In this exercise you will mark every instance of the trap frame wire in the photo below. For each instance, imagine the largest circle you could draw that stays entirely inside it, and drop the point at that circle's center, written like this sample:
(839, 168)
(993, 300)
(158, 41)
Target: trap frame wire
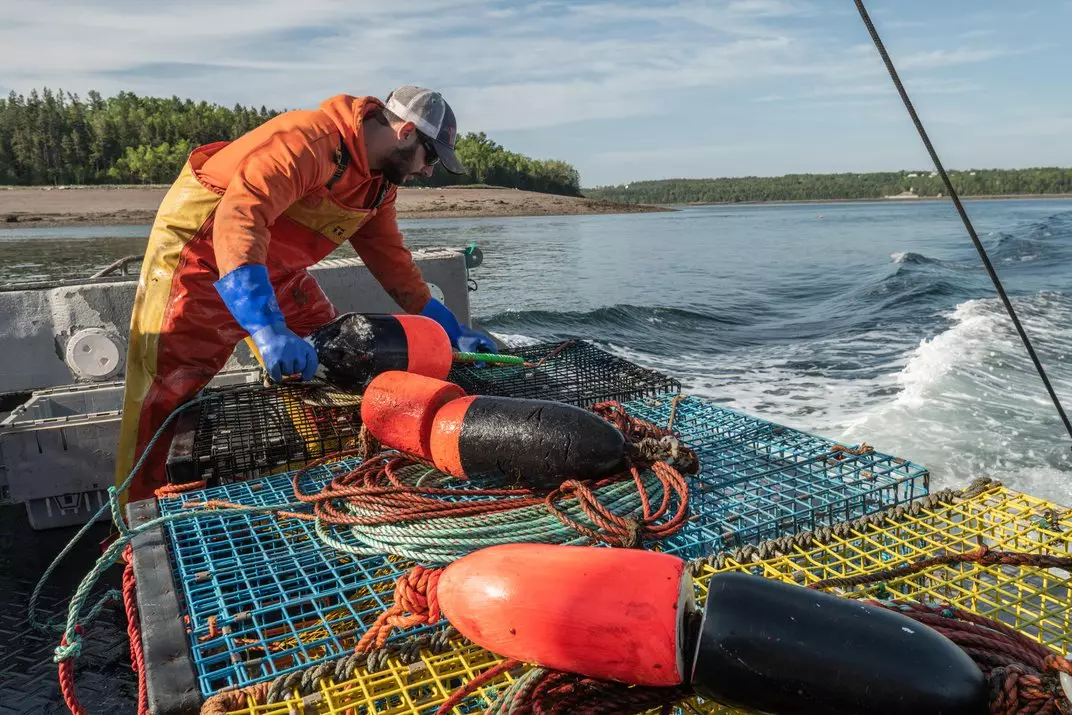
(1032, 600)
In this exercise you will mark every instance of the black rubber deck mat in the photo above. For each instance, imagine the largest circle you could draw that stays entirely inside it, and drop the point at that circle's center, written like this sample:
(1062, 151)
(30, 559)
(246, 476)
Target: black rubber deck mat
(104, 680)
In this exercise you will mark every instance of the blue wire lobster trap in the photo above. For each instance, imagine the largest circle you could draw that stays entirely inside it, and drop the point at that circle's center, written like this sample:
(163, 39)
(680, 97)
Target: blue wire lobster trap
(759, 480)
(262, 596)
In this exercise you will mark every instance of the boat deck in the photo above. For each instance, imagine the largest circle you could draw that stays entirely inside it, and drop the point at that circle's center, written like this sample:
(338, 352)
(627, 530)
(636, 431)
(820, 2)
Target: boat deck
(28, 684)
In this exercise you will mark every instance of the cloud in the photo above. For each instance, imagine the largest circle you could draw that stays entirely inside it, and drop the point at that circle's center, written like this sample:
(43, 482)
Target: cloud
(549, 73)
(510, 67)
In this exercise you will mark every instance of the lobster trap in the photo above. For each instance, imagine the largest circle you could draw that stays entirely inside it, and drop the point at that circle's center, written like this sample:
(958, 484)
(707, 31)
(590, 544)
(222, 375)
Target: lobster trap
(575, 372)
(264, 597)
(242, 433)
(1032, 600)
(254, 431)
(759, 480)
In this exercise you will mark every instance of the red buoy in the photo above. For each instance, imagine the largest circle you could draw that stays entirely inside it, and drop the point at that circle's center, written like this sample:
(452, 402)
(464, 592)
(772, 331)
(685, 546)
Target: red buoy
(538, 443)
(398, 408)
(612, 614)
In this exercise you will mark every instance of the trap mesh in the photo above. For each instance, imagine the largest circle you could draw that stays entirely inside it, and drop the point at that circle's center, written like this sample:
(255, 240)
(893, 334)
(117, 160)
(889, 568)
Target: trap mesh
(759, 480)
(246, 433)
(240, 434)
(575, 372)
(264, 597)
(1034, 601)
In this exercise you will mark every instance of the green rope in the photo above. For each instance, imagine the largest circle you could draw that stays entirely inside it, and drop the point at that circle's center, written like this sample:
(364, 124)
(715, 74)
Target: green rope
(490, 358)
(442, 541)
(126, 535)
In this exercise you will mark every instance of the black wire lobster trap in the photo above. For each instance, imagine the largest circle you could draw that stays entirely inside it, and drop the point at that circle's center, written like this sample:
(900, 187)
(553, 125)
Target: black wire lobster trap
(238, 434)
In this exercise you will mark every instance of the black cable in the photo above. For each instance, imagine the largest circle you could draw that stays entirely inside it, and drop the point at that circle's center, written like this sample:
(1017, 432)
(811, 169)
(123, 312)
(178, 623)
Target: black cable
(960, 209)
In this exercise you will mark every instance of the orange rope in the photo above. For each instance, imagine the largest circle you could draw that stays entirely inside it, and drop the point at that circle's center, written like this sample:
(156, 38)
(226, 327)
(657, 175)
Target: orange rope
(416, 594)
(172, 489)
(137, 655)
(66, 677)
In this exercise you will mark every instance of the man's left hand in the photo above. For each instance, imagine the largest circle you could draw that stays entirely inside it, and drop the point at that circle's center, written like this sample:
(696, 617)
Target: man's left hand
(473, 341)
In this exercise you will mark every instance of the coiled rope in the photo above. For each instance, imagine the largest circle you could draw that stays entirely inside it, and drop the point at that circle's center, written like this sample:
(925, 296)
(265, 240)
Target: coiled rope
(394, 503)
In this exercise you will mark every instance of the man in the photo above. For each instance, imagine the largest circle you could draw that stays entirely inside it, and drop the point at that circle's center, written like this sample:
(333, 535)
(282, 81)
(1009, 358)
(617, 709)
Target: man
(233, 237)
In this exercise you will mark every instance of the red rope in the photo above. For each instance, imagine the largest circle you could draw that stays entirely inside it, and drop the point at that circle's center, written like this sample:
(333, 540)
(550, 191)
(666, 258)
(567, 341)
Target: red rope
(463, 692)
(66, 676)
(137, 655)
(375, 488)
(415, 594)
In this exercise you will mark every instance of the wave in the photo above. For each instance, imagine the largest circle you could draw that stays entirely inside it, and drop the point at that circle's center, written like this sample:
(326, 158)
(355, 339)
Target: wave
(911, 258)
(621, 314)
(969, 402)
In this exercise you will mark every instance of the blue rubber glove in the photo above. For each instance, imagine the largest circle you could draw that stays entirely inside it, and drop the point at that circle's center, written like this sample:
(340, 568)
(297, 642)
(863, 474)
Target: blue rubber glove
(248, 294)
(463, 338)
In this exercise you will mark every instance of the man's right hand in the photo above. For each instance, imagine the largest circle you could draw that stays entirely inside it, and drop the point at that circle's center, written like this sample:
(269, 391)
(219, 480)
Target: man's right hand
(248, 294)
(284, 353)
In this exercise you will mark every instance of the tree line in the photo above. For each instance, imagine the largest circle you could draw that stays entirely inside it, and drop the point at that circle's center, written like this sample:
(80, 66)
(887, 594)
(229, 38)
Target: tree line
(54, 138)
(805, 187)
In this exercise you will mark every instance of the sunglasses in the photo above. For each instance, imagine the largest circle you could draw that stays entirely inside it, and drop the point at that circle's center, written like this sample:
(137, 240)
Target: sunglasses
(431, 156)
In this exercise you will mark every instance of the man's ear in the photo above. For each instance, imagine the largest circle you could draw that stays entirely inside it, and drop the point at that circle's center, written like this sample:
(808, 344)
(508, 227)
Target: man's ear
(405, 130)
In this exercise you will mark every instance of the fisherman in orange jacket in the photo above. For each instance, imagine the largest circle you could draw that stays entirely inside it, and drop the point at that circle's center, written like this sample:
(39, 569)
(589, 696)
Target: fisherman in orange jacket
(233, 237)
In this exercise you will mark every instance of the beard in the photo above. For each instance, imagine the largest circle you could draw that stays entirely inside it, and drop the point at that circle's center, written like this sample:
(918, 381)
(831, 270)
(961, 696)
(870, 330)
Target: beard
(396, 167)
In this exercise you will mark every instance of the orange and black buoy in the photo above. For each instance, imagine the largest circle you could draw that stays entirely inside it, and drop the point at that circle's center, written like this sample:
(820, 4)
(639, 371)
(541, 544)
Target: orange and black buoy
(355, 347)
(612, 614)
(538, 443)
(628, 615)
(398, 408)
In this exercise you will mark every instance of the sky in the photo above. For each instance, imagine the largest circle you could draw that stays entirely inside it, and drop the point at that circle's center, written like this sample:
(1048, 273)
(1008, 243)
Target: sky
(623, 90)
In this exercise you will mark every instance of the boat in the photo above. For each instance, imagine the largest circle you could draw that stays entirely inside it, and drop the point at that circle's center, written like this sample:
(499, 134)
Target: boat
(247, 612)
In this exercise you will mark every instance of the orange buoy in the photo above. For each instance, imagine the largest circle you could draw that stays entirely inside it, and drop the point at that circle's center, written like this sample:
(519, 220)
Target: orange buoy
(612, 614)
(355, 347)
(398, 408)
(536, 442)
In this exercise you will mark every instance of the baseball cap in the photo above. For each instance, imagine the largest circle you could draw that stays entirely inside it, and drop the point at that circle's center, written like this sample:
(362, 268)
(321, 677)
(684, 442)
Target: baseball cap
(433, 117)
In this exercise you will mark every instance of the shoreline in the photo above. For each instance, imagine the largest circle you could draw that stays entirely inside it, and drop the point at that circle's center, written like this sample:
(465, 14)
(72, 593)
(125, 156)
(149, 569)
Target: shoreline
(883, 199)
(54, 207)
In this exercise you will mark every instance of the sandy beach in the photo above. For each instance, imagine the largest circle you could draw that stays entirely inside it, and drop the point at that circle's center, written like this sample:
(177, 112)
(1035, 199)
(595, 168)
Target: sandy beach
(51, 206)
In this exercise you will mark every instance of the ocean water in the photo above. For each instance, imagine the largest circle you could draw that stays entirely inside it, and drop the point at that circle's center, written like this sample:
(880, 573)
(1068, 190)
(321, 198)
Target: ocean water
(867, 322)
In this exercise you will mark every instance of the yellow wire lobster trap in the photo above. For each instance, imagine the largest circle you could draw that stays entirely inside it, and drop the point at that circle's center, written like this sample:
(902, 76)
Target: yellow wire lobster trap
(1034, 601)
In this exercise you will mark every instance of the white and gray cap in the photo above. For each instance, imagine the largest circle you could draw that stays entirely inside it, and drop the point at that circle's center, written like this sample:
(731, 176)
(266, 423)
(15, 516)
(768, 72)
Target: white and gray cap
(433, 118)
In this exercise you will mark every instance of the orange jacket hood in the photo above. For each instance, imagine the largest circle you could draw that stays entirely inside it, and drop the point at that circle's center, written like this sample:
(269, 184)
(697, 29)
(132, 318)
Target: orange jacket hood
(347, 113)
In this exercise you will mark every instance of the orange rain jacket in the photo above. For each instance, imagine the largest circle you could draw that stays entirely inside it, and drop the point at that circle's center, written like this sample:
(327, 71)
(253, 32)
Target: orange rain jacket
(275, 178)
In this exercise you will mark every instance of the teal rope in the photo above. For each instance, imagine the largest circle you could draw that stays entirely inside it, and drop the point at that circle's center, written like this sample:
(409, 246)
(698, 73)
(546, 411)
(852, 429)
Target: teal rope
(442, 541)
(74, 646)
(126, 535)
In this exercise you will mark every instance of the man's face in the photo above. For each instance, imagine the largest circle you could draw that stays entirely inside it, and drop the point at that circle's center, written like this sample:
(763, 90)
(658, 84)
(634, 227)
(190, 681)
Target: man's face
(409, 160)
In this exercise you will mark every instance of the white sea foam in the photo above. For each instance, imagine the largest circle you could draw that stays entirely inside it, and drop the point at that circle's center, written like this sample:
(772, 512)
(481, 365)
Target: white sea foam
(965, 402)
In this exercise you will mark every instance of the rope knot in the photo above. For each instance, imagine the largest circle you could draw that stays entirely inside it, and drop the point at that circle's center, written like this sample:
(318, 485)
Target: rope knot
(634, 533)
(666, 448)
(416, 602)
